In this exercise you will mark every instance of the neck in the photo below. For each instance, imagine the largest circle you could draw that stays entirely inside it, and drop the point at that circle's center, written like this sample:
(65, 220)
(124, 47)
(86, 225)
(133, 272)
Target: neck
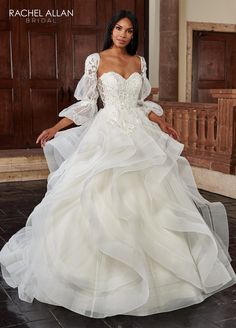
(118, 51)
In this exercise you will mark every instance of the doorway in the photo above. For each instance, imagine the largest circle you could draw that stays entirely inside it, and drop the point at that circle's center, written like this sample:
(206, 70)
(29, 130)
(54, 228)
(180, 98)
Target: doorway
(213, 63)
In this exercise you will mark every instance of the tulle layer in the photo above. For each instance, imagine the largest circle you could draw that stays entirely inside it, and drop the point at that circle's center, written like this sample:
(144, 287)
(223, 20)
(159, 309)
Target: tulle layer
(118, 231)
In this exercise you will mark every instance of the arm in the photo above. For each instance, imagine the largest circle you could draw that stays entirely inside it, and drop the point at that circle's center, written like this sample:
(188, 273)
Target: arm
(153, 111)
(50, 132)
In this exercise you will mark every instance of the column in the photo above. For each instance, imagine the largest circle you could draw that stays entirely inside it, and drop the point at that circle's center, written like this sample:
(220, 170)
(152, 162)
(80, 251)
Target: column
(169, 31)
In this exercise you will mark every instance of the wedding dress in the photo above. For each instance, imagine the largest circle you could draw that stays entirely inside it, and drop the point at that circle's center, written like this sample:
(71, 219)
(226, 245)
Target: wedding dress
(118, 231)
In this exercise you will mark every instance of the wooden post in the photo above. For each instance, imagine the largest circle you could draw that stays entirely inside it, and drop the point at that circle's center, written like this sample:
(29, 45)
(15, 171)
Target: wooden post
(193, 130)
(202, 130)
(185, 129)
(226, 127)
(210, 131)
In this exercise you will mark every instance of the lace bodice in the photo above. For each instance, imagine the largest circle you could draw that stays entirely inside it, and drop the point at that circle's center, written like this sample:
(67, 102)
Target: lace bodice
(118, 91)
(120, 95)
(120, 99)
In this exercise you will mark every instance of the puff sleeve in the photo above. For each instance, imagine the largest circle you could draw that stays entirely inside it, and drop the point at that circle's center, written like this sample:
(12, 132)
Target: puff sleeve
(146, 105)
(86, 93)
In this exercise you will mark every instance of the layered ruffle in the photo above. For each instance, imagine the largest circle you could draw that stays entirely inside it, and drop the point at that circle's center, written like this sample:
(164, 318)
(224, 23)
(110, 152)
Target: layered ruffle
(117, 233)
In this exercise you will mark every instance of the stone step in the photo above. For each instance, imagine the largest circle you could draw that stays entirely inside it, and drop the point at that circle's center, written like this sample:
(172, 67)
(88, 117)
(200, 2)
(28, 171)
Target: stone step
(22, 165)
(214, 181)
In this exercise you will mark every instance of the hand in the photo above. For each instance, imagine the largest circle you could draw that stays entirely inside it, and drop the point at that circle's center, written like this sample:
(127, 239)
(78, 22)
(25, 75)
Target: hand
(45, 136)
(167, 128)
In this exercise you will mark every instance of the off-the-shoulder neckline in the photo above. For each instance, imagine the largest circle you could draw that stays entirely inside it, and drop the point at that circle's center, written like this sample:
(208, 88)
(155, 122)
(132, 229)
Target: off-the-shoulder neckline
(140, 73)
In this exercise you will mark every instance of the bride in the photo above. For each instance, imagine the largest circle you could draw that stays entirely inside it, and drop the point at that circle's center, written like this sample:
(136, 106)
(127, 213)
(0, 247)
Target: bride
(118, 231)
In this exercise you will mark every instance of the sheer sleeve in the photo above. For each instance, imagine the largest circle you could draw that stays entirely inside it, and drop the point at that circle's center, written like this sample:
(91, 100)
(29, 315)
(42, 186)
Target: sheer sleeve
(86, 93)
(146, 105)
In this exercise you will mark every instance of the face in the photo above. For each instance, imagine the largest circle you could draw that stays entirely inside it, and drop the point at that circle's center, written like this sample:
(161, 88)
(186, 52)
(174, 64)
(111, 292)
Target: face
(122, 33)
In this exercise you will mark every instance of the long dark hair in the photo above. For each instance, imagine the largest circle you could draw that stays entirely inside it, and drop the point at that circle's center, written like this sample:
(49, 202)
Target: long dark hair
(133, 45)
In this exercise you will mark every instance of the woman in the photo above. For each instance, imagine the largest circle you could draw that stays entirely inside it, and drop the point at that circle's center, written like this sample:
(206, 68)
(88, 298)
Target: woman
(118, 231)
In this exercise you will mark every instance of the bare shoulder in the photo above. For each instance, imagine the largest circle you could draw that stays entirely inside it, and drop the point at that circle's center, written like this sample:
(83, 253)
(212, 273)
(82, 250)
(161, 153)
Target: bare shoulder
(105, 53)
(137, 58)
(137, 62)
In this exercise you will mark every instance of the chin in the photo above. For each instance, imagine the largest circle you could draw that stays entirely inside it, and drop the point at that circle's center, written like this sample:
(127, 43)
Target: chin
(118, 45)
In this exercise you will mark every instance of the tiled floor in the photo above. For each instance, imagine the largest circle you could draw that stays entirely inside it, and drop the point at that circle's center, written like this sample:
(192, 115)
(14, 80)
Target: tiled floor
(17, 201)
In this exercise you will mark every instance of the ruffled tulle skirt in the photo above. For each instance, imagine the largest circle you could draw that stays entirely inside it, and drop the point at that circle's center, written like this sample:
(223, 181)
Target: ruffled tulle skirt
(118, 231)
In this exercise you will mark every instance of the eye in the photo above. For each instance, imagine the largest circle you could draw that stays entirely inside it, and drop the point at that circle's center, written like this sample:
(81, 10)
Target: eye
(118, 27)
(130, 31)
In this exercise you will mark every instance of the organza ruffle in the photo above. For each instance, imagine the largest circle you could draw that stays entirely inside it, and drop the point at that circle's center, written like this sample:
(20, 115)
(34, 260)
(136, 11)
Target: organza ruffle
(118, 231)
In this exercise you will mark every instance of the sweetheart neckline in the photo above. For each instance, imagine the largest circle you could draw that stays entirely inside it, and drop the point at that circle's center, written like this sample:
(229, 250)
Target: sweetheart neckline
(119, 75)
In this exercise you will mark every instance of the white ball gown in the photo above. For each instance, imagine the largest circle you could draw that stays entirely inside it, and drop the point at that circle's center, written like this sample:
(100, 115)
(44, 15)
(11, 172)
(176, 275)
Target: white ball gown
(118, 231)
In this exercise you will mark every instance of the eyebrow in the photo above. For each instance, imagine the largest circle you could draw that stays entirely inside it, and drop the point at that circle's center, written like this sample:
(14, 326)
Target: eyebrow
(129, 28)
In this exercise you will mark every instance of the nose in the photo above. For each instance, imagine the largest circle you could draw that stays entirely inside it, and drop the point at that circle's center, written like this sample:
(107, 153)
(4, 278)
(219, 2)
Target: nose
(123, 34)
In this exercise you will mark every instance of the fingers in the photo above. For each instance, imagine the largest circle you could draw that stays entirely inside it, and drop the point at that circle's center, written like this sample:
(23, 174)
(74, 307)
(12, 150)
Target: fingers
(174, 133)
(43, 138)
(39, 138)
(177, 135)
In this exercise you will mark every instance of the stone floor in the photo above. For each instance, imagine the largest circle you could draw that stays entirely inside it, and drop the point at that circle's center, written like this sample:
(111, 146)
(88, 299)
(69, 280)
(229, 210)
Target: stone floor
(17, 200)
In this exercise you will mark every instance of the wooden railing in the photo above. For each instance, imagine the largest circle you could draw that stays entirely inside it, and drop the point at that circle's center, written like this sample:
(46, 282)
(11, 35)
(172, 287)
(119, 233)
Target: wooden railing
(208, 131)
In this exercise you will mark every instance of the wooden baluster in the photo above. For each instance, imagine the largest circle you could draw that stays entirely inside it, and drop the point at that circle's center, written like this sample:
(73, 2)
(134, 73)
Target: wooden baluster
(178, 120)
(169, 116)
(208, 131)
(193, 130)
(210, 142)
(216, 133)
(185, 128)
(201, 130)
